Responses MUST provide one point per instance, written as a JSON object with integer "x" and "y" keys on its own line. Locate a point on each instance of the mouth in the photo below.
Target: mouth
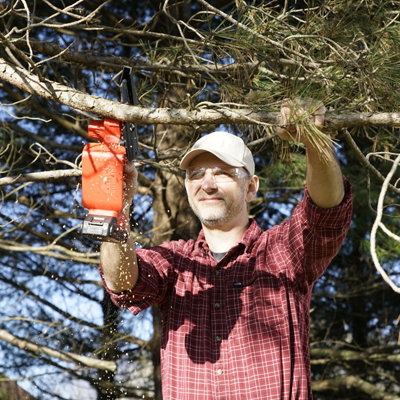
{"x": 210, "y": 199}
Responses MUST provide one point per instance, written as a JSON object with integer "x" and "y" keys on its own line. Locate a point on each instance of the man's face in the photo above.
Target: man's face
{"x": 219, "y": 202}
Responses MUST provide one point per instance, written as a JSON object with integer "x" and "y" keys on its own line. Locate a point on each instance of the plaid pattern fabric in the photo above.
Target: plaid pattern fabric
{"x": 239, "y": 329}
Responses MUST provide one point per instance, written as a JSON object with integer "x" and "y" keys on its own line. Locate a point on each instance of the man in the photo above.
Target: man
{"x": 235, "y": 302}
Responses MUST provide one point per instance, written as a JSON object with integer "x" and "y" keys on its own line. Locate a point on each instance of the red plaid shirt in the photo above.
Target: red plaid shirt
{"x": 239, "y": 329}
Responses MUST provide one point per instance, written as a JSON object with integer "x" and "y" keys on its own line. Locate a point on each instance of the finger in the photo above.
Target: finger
{"x": 285, "y": 130}
{"x": 130, "y": 177}
{"x": 319, "y": 120}
{"x": 319, "y": 115}
{"x": 129, "y": 168}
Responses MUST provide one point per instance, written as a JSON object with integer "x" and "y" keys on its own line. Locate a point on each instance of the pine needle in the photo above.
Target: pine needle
{"x": 320, "y": 140}
{"x": 306, "y": 129}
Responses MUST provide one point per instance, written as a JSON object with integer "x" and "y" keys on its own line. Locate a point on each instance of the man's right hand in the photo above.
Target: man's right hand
{"x": 130, "y": 186}
{"x": 118, "y": 260}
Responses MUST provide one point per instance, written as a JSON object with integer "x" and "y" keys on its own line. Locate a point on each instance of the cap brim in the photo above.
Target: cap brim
{"x": 188, "y": 158}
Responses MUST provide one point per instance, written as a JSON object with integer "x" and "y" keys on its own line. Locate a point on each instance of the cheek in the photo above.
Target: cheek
{"x": 190, "y": 190}
{"x": 245, "y": 194}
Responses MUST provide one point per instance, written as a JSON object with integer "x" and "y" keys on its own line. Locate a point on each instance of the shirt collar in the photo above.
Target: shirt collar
{"x": 247, "y": 240}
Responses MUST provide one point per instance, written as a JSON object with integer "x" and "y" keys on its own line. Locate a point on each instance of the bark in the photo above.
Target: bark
{"x": 154, "y": 346}
{"x": 109, "y": 350}
{"x": 9, "y": 390}
{"x": 40, "y": 176}
{"x": 173, "y": 219}
{"x": 78, "y": 100}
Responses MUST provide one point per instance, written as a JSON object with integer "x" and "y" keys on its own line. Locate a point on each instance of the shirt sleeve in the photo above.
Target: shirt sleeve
{"x": 155, "y": 272}
{"x": 318, "y": 234}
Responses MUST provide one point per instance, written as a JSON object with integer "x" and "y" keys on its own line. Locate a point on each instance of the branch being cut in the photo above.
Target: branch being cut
{"x": 78, "y": 100}
{"x": 61, "y": 174}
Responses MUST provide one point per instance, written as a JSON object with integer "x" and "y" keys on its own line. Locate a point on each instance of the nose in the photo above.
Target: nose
{"x": 208, "y": 183}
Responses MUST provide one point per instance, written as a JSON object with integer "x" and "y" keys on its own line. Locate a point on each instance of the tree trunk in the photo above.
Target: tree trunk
{"x": 173, "y": 219}
{"x": 105, "y": 383}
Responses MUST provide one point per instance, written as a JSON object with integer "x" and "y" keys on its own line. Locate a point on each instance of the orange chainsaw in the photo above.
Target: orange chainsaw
{"x": 103, "y": 170}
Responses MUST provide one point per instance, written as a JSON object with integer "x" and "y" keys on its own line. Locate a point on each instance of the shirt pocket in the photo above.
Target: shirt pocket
{"x": 262, "y": 306}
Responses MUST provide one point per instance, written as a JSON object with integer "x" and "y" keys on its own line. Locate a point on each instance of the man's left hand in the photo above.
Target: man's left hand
{"x": 295, "y": 111}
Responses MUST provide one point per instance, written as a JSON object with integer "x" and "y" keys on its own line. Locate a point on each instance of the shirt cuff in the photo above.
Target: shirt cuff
{"x": 334, "y": 217}
{"x": 125, "y": 299}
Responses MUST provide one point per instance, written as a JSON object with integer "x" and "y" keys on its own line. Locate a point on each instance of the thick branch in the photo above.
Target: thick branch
{"x": 322, "y": 356}
{"x": 40, "y": 176}
{"x": 47, "y": 176}
{"x": 336, "y": 384}
{"x": 27, "y": 345}
{"x": 76, "y": 99}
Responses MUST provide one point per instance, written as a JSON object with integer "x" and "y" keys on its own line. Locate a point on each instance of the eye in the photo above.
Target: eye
{"x": 229, "y": 173}
{"x": 195, "y": 174}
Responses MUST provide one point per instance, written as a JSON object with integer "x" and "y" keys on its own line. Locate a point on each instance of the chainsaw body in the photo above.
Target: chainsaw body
{"x": 102, "y": 181}
{"x": 103, "y": 170}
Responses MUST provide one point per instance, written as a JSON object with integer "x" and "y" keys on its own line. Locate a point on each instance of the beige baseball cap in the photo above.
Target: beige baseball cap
{"x": 224, "y": 145}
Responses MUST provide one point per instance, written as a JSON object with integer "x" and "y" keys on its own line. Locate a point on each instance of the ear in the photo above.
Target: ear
{"x": 252, "y": 188}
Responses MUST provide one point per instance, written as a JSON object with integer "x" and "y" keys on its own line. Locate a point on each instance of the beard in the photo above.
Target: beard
{"x": 213, "y": 217}
{"x": 219, "y": 214}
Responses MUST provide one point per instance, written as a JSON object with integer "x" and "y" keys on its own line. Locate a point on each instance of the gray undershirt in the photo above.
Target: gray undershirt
{"x": 218, "y": 256}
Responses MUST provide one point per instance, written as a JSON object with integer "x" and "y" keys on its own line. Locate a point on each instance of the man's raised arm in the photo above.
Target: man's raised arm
{"x": 324, "y": 177}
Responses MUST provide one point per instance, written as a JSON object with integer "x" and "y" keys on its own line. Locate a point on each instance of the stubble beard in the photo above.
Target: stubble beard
{"x": 217, "y": 216}
{"x": 212, "y": 218}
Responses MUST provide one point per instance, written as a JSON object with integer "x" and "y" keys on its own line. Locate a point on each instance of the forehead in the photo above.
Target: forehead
{"x": 207, "y": 160}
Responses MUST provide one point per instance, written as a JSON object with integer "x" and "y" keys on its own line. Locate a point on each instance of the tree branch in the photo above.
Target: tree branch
{"x": 364, "y": 162}
{"x": 52, "y": 250}
{"x": 40, "y": 176}
{"x": 61, "y": 174}
{"x": 114, "y": 63}
{"x": 27, "y": 345}
{"x": 378, "y": 222}
{"x": 322, "y": 356}
{"x": 78, "y": 100}
{"x": 335, "y": 384}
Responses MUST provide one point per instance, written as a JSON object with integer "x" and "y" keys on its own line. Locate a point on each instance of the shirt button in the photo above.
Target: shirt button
{"x": 219, "y": 338}
{"x": 217, "y": 306}
{"x": 217, "y": 272}
{"x": 219, "y": 372}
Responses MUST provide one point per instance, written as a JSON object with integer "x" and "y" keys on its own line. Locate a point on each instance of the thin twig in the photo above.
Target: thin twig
{"x": 376, "y": 224}
{"x": 364, "y": 162}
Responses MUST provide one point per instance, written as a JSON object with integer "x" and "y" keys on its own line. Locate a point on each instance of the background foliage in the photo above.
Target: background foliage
{"x": 60, "y": 336}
